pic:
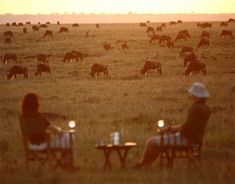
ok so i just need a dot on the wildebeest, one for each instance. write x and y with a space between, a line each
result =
78 55
7 24
203 42
48 33
163 24
24 30
159 28
64 29
14 24
9 56
226 33
58 22
17 70
223 24
164 39
28 23
42 58
153 38
204 24
196 67
150 30
74 55
35 28
43 25
173 23
151 65
124 46
190 58
185 50
143 24
205 34
8 34
98 68
179 22
20 24
107 46
183 34
75 25
231 20
170 44
97 25
7 40
43 68
48 22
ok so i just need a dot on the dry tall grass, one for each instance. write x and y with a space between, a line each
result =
125 100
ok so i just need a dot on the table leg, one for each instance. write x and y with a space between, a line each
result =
107 163
122 156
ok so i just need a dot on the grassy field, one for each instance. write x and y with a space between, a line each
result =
125 100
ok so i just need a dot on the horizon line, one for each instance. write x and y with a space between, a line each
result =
129 13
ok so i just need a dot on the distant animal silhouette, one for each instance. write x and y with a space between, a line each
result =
48 33
204 25
153 38
190 58
226 33
179 22
185 50
159 28
64 29
151 65
173 23
75 25
224 24
231 20
184 34
9 56
20 24
42 58
107 46
35 28
98 68
97 25
124 46
24 30
143 24
164 39
43 26
203 43
8 34
196 67
42 68
150 30
17 70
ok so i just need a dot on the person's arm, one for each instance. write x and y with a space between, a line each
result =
54 129
171 129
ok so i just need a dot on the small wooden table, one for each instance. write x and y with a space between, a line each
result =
121 149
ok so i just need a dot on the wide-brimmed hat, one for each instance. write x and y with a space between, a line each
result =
198 89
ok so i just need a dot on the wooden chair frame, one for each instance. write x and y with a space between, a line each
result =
51 156
191 152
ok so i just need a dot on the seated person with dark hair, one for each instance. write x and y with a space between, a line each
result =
36 127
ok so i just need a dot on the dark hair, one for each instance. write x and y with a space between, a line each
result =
30 104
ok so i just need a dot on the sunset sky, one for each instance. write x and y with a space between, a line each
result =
116 6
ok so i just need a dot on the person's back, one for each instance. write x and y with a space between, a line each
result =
196 122
34 126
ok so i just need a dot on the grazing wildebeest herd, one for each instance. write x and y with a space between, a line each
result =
179 41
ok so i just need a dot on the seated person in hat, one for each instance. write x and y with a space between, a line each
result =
191 130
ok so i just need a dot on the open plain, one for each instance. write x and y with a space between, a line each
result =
125 100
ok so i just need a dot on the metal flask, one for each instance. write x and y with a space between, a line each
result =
115 138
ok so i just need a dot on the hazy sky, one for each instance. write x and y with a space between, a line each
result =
116 6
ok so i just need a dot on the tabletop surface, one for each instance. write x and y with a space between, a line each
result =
125 145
